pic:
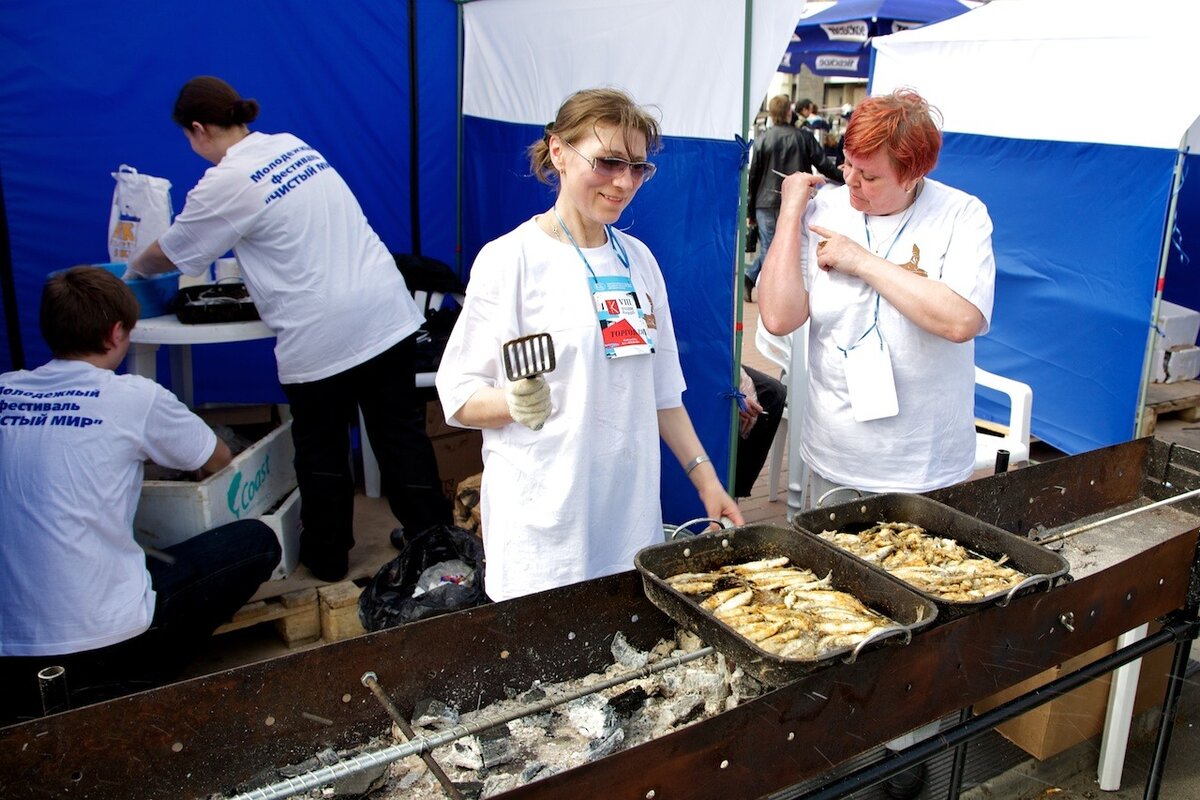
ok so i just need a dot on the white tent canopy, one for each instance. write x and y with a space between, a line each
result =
1051 120
1065 70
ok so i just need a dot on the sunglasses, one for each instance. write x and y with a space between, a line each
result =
613 167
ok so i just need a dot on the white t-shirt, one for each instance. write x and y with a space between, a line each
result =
577 499
931 442
319 275
72 441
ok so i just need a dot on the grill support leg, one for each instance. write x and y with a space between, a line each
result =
1169 711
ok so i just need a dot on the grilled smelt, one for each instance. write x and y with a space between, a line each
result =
934 564
785 610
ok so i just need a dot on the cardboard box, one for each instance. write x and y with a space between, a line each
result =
459 455
1078 715
259 477
435 421
285 521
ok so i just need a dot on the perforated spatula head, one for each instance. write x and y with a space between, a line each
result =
528 356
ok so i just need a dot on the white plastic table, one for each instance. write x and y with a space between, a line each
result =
150 333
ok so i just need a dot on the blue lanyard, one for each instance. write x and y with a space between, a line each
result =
874 327
895 238
617 247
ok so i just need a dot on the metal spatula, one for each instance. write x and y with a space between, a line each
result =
528 356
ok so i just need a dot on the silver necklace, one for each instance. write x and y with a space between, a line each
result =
554 229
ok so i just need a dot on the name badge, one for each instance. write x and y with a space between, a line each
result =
870 381
622 322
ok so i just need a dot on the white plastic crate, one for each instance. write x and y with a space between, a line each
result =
256 480
285 521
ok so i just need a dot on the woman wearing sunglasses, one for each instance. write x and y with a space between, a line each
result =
571 459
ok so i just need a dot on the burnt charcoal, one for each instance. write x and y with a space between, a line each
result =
495 746
626 654
629 702
591 716
599 748
535 695
470 790
433 714
535 771
680 710
499 783
463 753
324 758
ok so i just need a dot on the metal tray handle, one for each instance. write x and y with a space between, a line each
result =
876 637
858 495
1032 580
674 532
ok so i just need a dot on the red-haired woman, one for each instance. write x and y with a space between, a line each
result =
895 275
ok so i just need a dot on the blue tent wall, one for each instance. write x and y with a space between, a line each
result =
688 219
1071 306
1182 284
86 87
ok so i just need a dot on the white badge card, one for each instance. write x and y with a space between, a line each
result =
870 381
622 321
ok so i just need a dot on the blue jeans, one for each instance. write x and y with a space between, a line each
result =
766 218
212 575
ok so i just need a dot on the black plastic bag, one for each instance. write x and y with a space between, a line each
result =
387 601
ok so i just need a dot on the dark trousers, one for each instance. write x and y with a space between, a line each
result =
752 450
322 412
212 575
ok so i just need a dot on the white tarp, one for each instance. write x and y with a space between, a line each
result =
524 57
1104 71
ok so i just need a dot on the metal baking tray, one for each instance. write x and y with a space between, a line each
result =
710 551
1044 567
214 303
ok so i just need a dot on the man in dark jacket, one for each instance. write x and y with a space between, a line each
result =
781 150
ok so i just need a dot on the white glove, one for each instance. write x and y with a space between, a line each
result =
529 401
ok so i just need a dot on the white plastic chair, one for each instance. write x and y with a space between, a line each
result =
1015 439
779 350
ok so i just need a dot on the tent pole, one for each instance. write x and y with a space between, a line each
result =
9 289
414 128
739 249
1164 252
458 154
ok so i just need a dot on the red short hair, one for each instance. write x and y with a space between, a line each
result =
901 123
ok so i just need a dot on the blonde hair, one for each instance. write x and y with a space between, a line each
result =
580 114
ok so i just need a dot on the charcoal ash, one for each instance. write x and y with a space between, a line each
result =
585 729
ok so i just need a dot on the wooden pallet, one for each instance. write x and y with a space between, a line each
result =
328 613
1180 399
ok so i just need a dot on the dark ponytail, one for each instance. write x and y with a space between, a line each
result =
212 101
